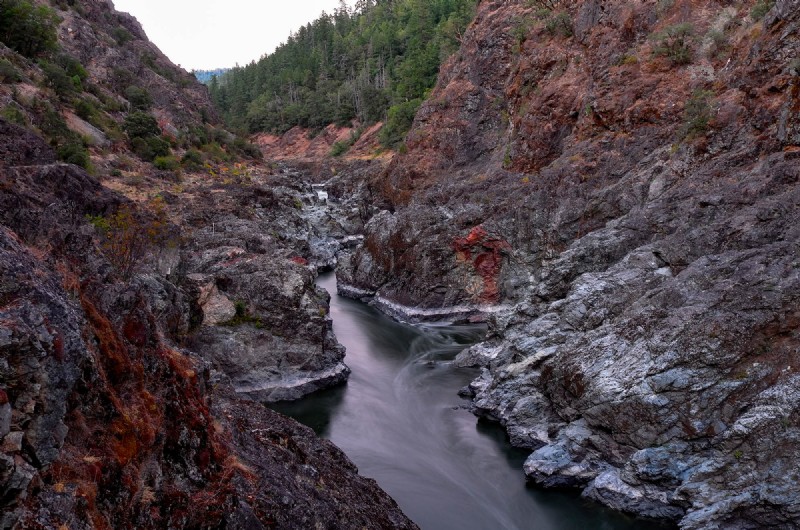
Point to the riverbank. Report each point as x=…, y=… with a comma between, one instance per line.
x=399, y=418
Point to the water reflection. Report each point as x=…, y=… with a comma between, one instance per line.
x=400, y=420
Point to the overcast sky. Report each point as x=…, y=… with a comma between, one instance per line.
x=206, y=34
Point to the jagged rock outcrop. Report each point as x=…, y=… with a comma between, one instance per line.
x=117, y=54
x=106, y=418
x=638, y=162
x=261, y=320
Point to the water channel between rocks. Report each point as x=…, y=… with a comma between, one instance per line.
x=400, y=420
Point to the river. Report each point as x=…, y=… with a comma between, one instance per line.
x=400, y=419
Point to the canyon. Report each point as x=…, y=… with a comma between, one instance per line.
x=610, y=186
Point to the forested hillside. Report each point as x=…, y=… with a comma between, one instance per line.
x=371, y=63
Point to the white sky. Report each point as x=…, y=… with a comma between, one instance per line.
x=207, y=34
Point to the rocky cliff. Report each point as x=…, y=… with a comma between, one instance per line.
x=141, y=303
x=614, y=185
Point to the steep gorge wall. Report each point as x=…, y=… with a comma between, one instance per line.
x=117, y=406
x=123, y=389
x=630, y=221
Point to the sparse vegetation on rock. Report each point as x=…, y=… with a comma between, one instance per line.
x=675, y=43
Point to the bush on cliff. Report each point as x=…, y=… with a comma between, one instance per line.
x=74, y=153
x=8, y=72
x=166, y=163
x=399, y=121
x=57, y=78
x=141, y=125
x=27, y=28
x=145, y=136
x=150, y=148
x=760, y=9
x=128, y=235
x=139, y=98
x=697, y=114
x=674, y=43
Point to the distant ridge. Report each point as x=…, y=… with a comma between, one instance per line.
x=204, y=76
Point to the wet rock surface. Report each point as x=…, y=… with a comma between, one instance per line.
x=650, y=351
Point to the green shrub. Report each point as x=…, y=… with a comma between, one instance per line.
x=339, y=148
x=72, y=66
x=195, y=136
x=85, y=110
x=74, y=153
x=8, y=72
x=245, y=148
x=674, y=43
x=121, y=79
x=398, y=122
x=57, y=79
x=519, y=32
x=221, y=136
x=719, y=41
x=158, y=145
x=139, y=98
x=13, y=114
x=27, y=28
x=166, y=163
x=559, y=24
x=216, y=152
x=50, y=122
x=141, y=125
x=150, y=148
x=140, y=148
x=760, y=9
x=121, y=35
x=697, y=114
x=192, y=160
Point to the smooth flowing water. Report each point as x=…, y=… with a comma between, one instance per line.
x=400, y=420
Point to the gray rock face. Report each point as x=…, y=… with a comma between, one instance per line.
x=41, y=352
x=280, y=345
x=298, y=479
x=258, y=317
x=649, y=349
x=95, y=136
x=682, y=376
x=406, y=266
